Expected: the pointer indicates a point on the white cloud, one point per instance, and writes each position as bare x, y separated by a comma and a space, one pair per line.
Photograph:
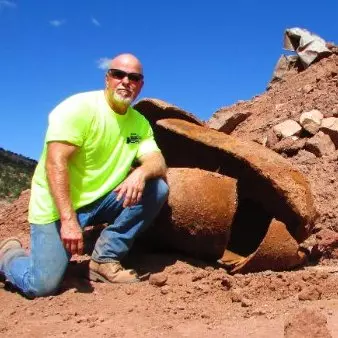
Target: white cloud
57, 23
8, 4
95, 22
103, 63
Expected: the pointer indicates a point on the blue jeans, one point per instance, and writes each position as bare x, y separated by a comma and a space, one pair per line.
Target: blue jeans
41, 272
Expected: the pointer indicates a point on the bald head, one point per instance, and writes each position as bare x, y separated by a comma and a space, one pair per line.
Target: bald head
127, 62
123, 82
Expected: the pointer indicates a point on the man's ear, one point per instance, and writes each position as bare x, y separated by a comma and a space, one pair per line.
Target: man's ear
106, 80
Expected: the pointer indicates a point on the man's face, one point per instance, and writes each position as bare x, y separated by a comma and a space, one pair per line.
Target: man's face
124, 82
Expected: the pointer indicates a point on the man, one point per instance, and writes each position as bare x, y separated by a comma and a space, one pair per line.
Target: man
84, 178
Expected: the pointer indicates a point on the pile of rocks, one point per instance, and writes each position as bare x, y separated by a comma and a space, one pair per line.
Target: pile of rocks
297, 117
315, 131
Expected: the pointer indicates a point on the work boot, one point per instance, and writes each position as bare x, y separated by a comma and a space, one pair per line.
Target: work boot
11, 244
111, 272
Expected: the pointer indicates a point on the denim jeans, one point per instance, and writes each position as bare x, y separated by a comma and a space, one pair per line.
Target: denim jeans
41, 272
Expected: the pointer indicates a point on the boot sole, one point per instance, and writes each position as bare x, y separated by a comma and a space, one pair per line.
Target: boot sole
3, 250
95, 277
7, 240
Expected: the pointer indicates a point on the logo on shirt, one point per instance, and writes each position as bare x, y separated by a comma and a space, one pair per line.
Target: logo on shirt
133, 138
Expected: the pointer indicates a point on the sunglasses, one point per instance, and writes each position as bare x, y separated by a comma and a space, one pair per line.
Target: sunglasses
120, 74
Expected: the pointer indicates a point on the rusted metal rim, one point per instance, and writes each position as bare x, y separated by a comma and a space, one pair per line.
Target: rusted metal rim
278, 251
155, 109
285, 180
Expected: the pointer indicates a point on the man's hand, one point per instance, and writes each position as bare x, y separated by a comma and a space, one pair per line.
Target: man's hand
71, 236
131, 188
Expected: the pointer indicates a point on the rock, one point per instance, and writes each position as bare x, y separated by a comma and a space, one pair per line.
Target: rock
199, 275
158, 279
327, 236
311, 121
165, 290
246, 302
271, 139
227, 282
306, 157
236, 296
329, 122
310, 293
290, 145
227, 121
287, 128
209, 268
307, 89
327, 241
306, 323
284, 64
335, 112
330, 127
309, 243
320, 145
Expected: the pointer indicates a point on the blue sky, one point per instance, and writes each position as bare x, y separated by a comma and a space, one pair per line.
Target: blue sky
198, 55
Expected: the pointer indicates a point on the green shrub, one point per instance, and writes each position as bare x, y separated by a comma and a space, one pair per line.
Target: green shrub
16, 172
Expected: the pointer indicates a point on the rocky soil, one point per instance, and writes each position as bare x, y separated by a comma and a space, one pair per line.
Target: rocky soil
190, 298
314, 152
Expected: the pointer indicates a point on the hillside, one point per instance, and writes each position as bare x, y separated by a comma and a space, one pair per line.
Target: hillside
15, 174
315, 152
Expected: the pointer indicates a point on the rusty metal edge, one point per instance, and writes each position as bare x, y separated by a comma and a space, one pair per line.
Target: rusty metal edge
164, 110
284, 178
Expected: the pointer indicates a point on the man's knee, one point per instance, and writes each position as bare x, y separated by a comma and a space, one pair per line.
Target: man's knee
43, 286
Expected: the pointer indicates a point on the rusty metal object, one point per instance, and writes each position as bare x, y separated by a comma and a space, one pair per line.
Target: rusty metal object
200, 211
278, 251
286, 181
268, 188
155, 109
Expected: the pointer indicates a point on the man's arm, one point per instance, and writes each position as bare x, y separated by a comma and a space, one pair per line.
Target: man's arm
58, 155
152, 165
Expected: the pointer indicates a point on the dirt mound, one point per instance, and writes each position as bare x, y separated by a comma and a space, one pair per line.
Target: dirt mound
315, 88
13, 218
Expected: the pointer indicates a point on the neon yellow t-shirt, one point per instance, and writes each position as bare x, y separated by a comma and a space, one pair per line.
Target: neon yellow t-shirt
108, 144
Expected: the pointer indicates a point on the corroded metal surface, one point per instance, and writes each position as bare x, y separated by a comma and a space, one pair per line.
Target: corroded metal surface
278, 251
287, 182
155, 109
200, 211
275, 207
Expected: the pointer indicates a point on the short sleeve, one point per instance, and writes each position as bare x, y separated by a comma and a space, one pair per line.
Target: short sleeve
148, 144
69, 121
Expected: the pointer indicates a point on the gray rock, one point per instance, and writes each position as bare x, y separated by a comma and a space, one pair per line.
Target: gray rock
226, 122
330, 127
311, 121
287, 128
320, 145
290, 145
158, 279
